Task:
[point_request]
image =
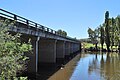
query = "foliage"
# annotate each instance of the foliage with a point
(87, 45)
(107, 37)
(102, 36)
(62, 33)
(93, 35)
(12, 59)
(109, 32)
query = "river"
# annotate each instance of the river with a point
(86, 66)
(91, 66)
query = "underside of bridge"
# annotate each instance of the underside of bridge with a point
(46, 50)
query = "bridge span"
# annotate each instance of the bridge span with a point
(48, 45)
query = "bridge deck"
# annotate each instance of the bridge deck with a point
(29, 27)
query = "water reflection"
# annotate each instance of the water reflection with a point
(85, 66)
(97, 66)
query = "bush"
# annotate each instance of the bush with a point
(12, 59)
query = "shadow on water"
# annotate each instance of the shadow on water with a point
(47, 70)
(84, 66)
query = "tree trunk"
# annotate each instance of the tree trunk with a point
(119, 47)
(102, 47)
(96, 46)
(108, 49)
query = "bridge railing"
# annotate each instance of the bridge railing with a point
(20, 19)
(29, 23)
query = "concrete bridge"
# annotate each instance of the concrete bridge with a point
(47, 44)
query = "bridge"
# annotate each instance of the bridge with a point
(48, 45)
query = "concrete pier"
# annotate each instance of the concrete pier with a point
(60, 49)
(67, 48)
(47, 51)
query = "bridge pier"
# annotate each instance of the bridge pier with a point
(47, 51)
(67, 48)
(76, 47)
(71, 48)
(32, 63)
(60, 50)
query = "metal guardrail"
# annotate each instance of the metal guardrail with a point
(30, 23)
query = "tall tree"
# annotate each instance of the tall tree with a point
(112, 32)
(118, 31)
(102, 36)
(107, 37)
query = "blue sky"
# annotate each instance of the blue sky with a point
(72, 16)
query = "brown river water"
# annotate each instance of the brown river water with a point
(88, 66)
(91, 66)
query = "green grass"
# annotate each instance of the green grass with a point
(88, 45)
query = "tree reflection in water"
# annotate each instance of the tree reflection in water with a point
(107, 64)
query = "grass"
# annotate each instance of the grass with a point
(88, 45)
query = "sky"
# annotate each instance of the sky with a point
(72, 16)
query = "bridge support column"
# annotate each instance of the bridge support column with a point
(47, 51)
(36, 61)
(75, 47)
(32, 64)
(60, 49)
(67, 48)
(78, 47)
(71, 48)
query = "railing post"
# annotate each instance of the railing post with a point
(15, 17)
(42, 28)
(35, 25)
(27, 22)
(51, 31)
(55, 32)
(47, 29)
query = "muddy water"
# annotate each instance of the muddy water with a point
(90, 66)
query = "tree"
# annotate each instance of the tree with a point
(93, 34)
(107, 37)
(118, 31)
(62, 33)
(12, 59)
(59, 32)
(112, 32)
(102, 36)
